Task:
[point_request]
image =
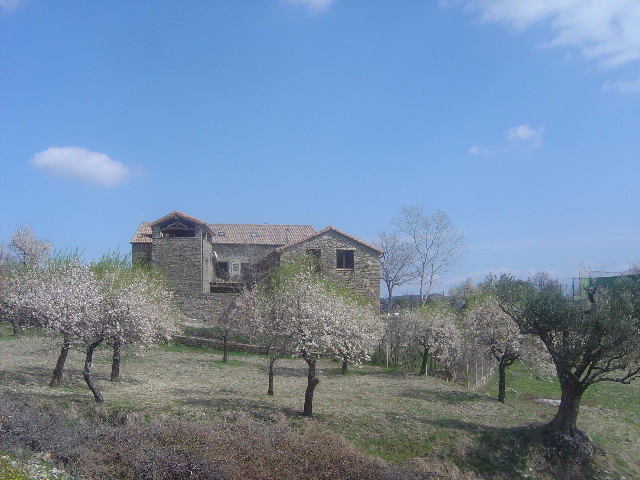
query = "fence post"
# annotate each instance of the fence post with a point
(467, 376)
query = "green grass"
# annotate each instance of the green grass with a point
(6, 332)
(391, 413)
(7, 472)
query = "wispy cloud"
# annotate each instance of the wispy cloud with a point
(521, 137)
(314, 5)
(623, 86)
(605, 31)
(81, 164)
(9, 6)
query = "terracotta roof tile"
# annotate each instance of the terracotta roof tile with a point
(143, 235)
(258, 234)
(178, 214)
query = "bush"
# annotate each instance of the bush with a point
(237, 446)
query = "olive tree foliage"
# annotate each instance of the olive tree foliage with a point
(438, 246)
(433, 329)
(396, 263)
(300, 313)
(589, 341)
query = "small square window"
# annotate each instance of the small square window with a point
(344, 259)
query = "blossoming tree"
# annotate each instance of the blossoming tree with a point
(434, 330)
(301, 313)
(91, 304)
(496, 332)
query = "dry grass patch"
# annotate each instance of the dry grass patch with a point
(408, 422)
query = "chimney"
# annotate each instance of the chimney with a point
(286, 236)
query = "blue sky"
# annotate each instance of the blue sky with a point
(520, 119)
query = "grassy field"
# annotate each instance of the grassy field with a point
(394, 415)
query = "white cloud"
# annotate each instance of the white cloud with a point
(81, 164)
(606, 31)
(476, 150)
(316, 5)
(525, 134)
(522, 136)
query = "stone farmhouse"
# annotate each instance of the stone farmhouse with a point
(207, 264)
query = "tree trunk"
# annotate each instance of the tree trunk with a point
(115, 364)
(272, 360)
(562, 435)
(565, 419)
(344, 365)
(87, 370)
(312, 382)
(56, 378)
(224, 348)
(425, 359)
(502, 380)
(15, 327)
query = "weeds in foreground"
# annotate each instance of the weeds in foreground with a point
(8, 472)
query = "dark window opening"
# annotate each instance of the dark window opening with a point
(344, 259)
(222, 270)
(178, 229)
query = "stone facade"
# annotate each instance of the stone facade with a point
(207, 264)
(362, 276)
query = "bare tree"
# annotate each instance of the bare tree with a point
(396, 263)
(437, 244)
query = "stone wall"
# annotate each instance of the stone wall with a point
(181, 260)
(363, 279)
(205, 307)
(141, 252)
(208, 264)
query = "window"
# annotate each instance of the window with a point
(344, 259)
(222, 270)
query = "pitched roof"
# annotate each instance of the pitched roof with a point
(258, 234)
(239, 234)
(143, 234)
(325, 230)
(176, 214)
